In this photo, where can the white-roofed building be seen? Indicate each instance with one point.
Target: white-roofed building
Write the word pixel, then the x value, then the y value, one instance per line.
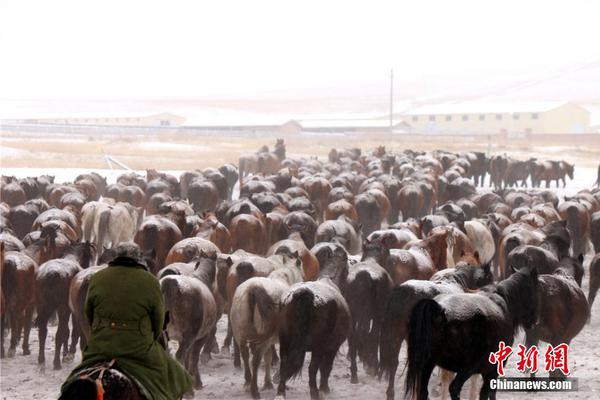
pixel 353 125
pixel 103 119
pixel 495 117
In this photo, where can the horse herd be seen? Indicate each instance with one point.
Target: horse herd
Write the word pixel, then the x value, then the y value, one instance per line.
pixel 374 249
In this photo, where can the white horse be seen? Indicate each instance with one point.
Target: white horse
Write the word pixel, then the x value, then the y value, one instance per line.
pixel 117 223
pixel 254 316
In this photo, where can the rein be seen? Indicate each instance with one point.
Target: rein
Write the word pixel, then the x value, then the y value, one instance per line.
pixel 98 381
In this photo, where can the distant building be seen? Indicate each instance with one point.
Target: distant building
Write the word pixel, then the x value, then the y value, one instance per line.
pixel 354 125
pixel 122 119
pixel 251 126
pixel 511 118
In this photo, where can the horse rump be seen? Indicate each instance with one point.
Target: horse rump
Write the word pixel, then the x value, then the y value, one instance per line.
pixel 261 308
pixel 296 316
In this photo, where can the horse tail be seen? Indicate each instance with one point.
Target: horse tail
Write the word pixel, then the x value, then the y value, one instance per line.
pixel 9 277
pixel 361 304
pixel 103 224
pixel 169 286
pixel 261 308
pixel 293 336
pixel 412 200
pixel 575 229
pixel 423 320
pixel 392 332
pixel 88 222
pixel 151 239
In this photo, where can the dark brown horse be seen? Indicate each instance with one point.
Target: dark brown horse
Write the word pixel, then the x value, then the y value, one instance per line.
pixel 157 234
pixel 459 331
pixel 551 171
pixel 366 292
pixel 403 299
pixel 53 280
pixel 563 311
pixel 594 279
pixel 18 291
pixel 315 318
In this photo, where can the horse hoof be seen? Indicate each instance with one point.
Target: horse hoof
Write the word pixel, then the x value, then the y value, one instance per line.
pixel 325 389
pixel 354 379
pixel 57 366
pixel 225 352
pixel 256 396
pixel 267 386
pixel 279 397
pixel 68 358
pixel 11 353
pixel 205 358
pixel 26 352
pixel 215 348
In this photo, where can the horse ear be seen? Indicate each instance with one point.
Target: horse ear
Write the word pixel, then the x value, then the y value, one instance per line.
pixel 580 258
pixel 476 256
pixel 203 254
pixel 229 261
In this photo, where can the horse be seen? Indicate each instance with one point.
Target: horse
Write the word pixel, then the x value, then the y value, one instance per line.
pixel 419 259
pixel 230 172
pixel 157 234
pixel 188 249
pixel 458 331
pixel 254 317
pixel 116 224
pixel 102 381
pixel 595 231
pixel 594 279
pixel 393 238
pixel 53 279
pixel 577 217
pixel 403 299
pixel 294 244
pixel 18 291
pixel 366 291
pixel 314 317
pixel 342 230
pixel 372 207
pixel 248 233
pixel 192 313
pixel 341 207
pixel 563 310
pixel 551 171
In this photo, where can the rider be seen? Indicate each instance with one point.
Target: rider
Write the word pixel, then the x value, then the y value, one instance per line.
pixel 125 309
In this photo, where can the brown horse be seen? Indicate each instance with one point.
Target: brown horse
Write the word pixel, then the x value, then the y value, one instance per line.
pixel 420 259
pixel 211 229
pixel 294 244
pixel 551 171
pixel 18 290
pixel 393 238
pixel 344 231
pixel 563 311
pixel 577 217
pixel 341 207
pixel 157 235
pixel 315 318
pixel 262 162
pixel 189 249
pixel 595 231
pixel 53 279
pixel 248 233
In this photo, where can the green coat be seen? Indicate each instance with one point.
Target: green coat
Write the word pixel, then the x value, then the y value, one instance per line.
pixel 125 309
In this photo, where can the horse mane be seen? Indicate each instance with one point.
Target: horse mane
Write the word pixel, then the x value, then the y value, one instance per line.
pixel 516 293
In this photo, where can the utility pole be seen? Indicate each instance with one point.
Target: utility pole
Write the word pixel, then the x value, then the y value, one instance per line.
pixel 391 98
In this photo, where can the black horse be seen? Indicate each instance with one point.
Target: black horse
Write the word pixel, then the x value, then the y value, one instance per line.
pixel 404 298
pixel 459 331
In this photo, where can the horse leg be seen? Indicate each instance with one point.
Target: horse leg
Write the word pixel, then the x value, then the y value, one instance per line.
pixel 236 355
pixel 194 357
pixel 42 334
pixel 396 345
pixel 256 359
pixel 15 331
pixel 274 356
pixel 325 369
pixel 2 328
pixel 313 367
pixel 27 330
pixel 445 379
pixel 76 334
pixel 62 336
pixel 352 355
pixel 228 338
pixel 243 346
pixel 268 357
pixel 457 384
pixel 485 392
pixel 207 349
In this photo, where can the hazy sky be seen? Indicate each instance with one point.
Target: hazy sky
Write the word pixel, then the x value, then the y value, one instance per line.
pixel 145 49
